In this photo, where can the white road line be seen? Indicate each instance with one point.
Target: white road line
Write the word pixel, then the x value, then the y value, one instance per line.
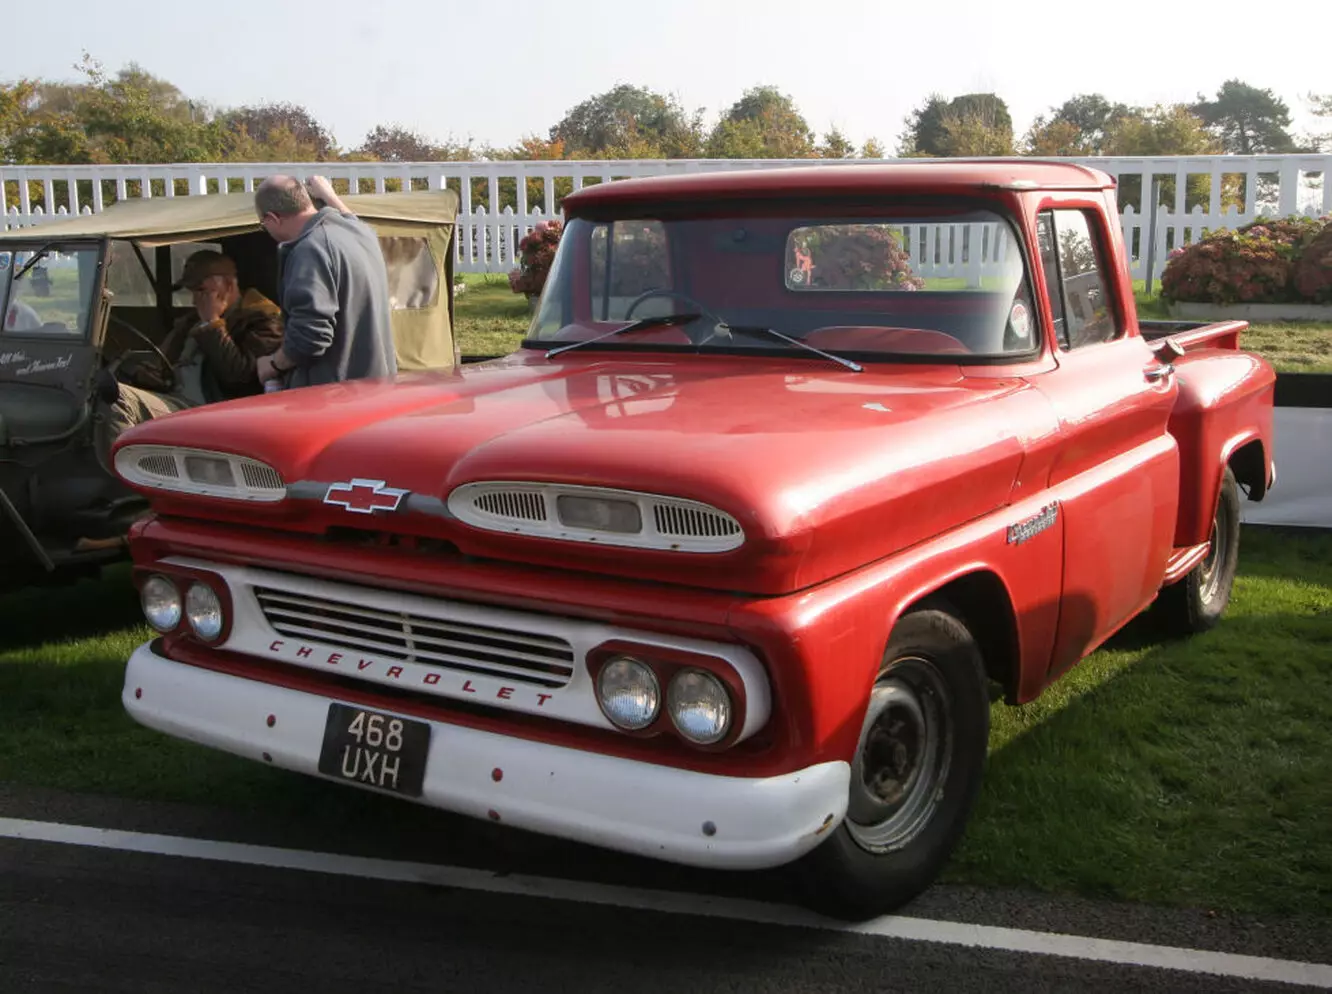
pixel 891 926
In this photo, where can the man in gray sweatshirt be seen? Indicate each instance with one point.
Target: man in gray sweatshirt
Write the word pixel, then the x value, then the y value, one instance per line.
pixel 333 291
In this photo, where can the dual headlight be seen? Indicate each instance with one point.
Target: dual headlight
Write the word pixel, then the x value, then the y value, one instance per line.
pixel 164 606
pixel 698 703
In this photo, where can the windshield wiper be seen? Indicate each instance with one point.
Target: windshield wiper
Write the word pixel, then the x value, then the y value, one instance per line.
pixel 37 257
pixel 650 322
pixel 758 329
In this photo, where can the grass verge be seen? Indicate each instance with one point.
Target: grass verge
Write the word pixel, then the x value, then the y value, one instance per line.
pixel 1196 772
pixel 492 319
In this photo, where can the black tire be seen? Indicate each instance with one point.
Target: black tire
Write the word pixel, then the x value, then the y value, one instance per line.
pixel 938 728
pixel 1196 603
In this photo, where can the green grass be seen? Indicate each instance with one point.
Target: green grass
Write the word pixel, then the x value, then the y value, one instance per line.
pixel 1195 772
pixel 1290 346
pixel 492 319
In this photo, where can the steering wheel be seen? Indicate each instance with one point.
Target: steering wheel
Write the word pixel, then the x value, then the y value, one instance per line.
pixel 114 368
pixel 662 292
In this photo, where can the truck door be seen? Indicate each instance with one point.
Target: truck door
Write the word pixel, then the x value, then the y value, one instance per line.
pixel 1115 471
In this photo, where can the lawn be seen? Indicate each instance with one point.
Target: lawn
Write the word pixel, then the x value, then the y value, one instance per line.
pixel 492 319
pixel 1195 772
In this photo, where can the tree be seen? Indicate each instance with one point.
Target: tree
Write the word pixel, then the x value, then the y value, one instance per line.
pixel 394 143
pixel 1247 120
pixel 1162 131
pixel 974 124
pixel 763 124
pixel 275 132
pixel 873 149
pixel 1079 126
pixel 132 116
pixel 1321 107
pixel 629 122
pixel 835 145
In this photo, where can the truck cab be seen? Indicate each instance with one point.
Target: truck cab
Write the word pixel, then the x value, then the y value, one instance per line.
pixel 795 472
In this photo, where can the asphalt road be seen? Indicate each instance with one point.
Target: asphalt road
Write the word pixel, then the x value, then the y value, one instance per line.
pixel 74 918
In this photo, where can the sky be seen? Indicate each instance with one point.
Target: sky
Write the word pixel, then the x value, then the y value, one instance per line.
pixel 494 72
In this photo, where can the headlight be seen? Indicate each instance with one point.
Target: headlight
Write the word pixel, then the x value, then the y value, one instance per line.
pixel 161 603
pixel 628 693
pixel 699 706
pixel 203 608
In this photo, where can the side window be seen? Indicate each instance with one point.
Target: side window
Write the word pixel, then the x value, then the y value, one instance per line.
pixel 1083 315
pixel 629 258
pixel 412 277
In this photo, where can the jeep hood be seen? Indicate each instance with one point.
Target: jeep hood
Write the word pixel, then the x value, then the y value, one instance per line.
pixel 825 469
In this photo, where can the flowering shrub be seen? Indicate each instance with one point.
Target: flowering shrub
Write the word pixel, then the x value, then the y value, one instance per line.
pixel 855 257
pixel 1263 262
pixel 536 251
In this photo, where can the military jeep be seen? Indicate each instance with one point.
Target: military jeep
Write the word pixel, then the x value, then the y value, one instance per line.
pixel 80 296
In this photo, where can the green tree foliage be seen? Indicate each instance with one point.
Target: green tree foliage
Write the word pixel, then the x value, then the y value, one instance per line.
pixel 629 122
pixel 974 124
pixel 393 143
pixel 1163 131
pixel 274 132
pixel 1080 126
pixel 1247 120
pixel 836 145
pixel 763 124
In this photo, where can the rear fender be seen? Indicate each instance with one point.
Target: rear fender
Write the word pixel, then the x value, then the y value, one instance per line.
pixel 1223 412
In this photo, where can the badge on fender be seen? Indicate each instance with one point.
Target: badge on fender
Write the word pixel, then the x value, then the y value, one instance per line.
pixel 1031 527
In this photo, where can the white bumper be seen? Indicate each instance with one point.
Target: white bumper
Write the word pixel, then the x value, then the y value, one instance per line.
pixel 676 815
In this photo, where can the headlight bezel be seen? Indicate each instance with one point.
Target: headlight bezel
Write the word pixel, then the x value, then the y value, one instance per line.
pixel 666 663
pixel 184 577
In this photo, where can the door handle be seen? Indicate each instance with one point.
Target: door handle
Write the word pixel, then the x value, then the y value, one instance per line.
pixel 1154 373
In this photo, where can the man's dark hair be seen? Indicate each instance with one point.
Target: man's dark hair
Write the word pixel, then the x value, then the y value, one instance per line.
pixel 283 198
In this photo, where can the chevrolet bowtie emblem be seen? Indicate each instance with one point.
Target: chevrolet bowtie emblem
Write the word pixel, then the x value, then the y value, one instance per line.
pixel 364 496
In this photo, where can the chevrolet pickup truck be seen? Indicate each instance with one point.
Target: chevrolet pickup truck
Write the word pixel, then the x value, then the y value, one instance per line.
pixel 797 473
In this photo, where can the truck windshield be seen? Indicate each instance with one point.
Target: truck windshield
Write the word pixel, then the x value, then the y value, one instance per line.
pixel 52 298
pixel 950 285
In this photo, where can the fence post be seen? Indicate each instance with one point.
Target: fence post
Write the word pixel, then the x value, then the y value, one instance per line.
pixel 1151 223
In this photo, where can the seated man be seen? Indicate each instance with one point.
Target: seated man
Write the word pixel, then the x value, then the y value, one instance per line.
pixel 213 352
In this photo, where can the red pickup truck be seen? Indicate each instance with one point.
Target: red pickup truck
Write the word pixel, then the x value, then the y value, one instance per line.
pixel 796 472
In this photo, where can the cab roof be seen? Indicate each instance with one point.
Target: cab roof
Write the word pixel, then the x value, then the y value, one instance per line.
pixel 845 178
pixel 167 220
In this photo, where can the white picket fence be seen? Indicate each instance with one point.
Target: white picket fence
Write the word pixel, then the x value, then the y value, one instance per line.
pixel 488 238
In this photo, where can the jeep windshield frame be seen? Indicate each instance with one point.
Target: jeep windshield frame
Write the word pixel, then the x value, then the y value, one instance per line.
pixel 891 297
pixel 78 298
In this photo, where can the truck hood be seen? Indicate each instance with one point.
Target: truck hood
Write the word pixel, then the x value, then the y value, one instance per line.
pixel 825 469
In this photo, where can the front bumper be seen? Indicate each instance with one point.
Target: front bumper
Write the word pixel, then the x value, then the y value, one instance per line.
pixel 680 816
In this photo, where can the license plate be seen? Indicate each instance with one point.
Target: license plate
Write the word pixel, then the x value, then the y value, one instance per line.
pixel 377 750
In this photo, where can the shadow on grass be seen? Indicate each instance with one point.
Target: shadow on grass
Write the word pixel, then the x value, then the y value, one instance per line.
pixel 39 615
pixel 1196 772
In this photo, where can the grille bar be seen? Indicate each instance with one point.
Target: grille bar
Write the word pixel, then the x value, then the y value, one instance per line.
pixel 525 657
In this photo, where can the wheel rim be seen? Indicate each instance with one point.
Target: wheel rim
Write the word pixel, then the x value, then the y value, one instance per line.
pixel 1210 574
pixel 902 760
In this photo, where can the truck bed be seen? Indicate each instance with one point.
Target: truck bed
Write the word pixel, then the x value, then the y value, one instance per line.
pixel 1193 335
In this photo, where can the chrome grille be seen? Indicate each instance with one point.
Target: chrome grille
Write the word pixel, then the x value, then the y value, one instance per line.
pixel 508 654
pixel 259 477
pixel 513 504
pixel 159 465
pixel 691 522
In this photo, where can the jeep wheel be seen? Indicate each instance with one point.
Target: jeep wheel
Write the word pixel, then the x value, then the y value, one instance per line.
pixel 1196 603
pixel 915 774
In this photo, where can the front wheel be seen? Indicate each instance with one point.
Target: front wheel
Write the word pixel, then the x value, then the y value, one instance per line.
pixel 915 775
pixel 1196 603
